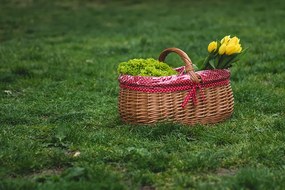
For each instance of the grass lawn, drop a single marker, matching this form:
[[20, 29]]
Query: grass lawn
[[59, 123]]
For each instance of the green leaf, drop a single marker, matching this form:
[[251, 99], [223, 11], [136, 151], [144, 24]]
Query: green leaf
[[242, 53], [229, 60], [199, 65], [217, 59], [196, 68], [212, 63], [206, 62], [218, 44]]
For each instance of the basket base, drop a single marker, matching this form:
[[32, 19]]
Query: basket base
[[147, 108]]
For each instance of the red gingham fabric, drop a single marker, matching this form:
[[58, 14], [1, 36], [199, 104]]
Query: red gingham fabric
[[179, 82]]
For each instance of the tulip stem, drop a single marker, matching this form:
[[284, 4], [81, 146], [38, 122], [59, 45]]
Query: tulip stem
[[206, 62]]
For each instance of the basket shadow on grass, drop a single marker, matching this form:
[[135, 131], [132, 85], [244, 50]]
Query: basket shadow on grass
[[215, 133], [160, 130]]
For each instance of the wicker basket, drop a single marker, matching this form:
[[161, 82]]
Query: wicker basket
[[189, 97]]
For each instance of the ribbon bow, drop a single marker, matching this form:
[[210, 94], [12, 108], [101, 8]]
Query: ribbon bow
[[192, 95]]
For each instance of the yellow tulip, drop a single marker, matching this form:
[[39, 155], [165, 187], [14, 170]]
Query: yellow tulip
[[234, 40], [222, 49], [212, 46], [226, 40], [231, 49], [239, 49]]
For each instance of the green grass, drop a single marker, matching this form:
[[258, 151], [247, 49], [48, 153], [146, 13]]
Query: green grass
[[58, 96]]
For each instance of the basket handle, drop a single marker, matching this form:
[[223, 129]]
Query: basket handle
[[188, 63]]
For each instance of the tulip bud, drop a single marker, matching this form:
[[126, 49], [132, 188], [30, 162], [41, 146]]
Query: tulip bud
[[239, 49], [234, 40], [212, 46], [226, 39], [231, 49], [222, 49]]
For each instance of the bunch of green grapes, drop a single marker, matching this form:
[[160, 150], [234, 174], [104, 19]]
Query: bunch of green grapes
[[145, 67]]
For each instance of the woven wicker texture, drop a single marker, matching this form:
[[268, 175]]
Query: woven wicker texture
[[205, 97]]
